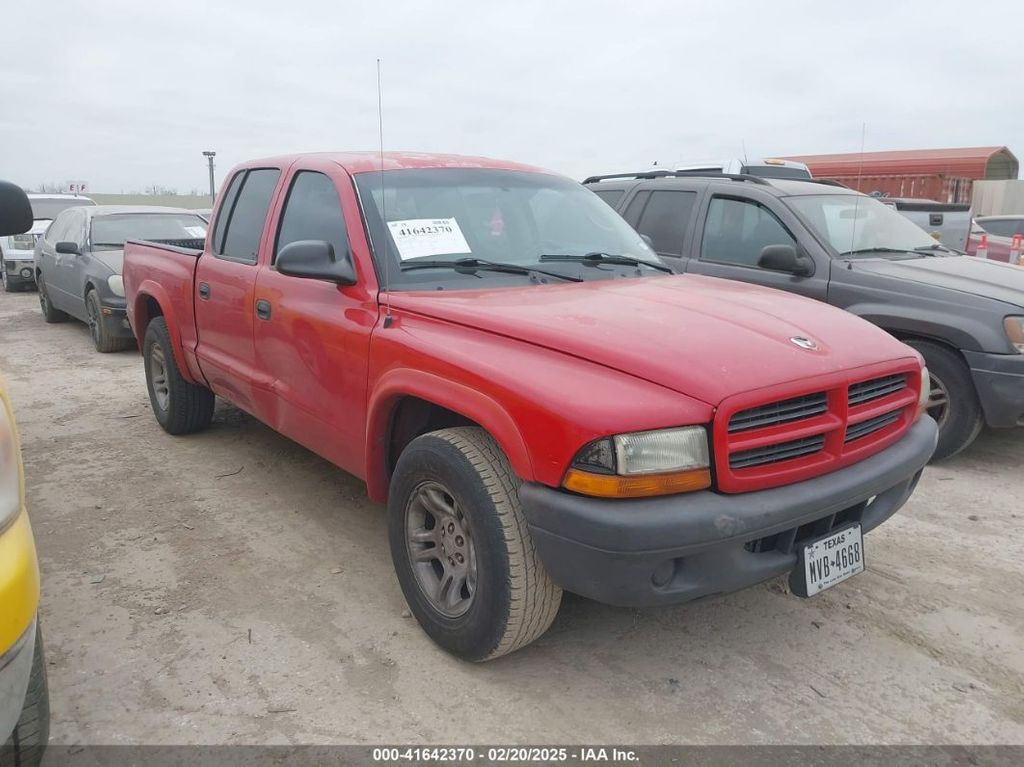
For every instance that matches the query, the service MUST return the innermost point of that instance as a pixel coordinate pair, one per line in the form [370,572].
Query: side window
[736,231]
[224,212]
[55,231]
[312,212]
[636,205]
[666,220]
[249,214]
[610,196]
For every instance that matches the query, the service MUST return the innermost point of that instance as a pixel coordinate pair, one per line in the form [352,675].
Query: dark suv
[822,240]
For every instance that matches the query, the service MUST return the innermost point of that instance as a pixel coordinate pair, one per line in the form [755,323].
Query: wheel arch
[408,403]
[149,303]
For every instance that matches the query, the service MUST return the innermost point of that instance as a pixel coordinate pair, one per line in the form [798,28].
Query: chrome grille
[870,426]
[866,391]
[785,411]
[782,451]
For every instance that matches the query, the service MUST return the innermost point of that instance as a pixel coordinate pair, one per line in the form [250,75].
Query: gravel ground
[231,587]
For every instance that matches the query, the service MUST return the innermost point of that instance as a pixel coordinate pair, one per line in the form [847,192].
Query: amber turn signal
[637,485]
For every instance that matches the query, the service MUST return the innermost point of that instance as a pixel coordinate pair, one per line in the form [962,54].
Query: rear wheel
[50,314]
[28,741]
[953,401]
[180,406]
[102,338]
[461,549]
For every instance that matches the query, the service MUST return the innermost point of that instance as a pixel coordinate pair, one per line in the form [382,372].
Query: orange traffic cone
[1015,247]
[982,251]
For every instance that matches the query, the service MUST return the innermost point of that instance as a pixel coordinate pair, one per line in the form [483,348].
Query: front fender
[459,398]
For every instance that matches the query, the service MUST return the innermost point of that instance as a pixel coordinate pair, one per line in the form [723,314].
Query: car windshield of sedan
[112,231]
[855,224]
[469,228]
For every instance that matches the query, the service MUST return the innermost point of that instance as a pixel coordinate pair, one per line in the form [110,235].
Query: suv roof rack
[648,174]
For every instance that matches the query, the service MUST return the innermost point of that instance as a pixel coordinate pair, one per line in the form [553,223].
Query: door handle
[263,309]
[204,291]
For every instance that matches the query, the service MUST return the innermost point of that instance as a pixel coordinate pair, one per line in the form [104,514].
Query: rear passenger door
[225,282]
[733,231]
[665,216]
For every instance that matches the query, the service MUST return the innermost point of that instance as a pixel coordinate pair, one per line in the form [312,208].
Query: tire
[961,420]
[50,314]
[101,337]
[511,600]
[28,741]
[180,407]
[8,287]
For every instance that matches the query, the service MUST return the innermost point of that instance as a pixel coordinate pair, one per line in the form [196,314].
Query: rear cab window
[243,214]
[666,220]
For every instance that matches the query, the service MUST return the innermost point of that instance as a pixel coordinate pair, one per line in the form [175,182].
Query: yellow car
[24,699]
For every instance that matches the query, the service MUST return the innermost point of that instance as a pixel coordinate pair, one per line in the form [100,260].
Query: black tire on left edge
[180,407]
[27,743]
[513,600]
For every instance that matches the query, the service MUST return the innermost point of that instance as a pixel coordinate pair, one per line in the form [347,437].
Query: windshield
[172,228]
[855,223]
[48,209]
[531,220]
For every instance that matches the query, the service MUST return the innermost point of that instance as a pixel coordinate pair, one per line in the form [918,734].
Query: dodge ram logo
[803,343]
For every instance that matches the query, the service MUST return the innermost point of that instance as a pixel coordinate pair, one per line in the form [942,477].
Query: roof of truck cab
[368,162]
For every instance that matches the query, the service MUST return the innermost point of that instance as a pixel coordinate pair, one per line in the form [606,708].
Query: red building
[946,175]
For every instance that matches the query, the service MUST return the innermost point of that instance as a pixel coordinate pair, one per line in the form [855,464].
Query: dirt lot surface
[232,587]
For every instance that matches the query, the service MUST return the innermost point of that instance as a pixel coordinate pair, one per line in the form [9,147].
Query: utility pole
[209,159]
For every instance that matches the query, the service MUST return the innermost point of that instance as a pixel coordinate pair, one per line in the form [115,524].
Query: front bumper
[999,381]
[674,549]
[15,670]
[20,272]
[115,318]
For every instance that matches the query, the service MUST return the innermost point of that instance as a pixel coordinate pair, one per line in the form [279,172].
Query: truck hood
[703,337]
[964,274]
[112,259]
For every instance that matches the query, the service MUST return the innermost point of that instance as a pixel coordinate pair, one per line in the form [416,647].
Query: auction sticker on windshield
[419,237]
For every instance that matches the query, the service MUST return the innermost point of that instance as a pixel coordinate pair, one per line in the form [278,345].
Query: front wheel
[50,314]
[102,338]
[180,406]
[953,401]
[26,744]
[461,548]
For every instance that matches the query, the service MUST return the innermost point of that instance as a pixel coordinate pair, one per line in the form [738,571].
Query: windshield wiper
[595,258]
[858,251]
[474,264]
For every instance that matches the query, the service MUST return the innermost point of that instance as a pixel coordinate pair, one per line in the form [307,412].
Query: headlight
[926,391]
[116,285]
[643,463]
[1014,327]
[10,472]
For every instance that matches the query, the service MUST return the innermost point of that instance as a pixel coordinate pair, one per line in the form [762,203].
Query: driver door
[735,230]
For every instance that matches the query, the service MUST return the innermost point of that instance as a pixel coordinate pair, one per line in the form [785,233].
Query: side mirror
[648,241]
[15,210]
[786,258]
[316,259]
[69,248]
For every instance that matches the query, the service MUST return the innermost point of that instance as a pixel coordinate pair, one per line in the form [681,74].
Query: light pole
[209,159]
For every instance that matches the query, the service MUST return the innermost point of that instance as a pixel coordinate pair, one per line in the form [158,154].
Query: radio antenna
[856,199]
[383,205]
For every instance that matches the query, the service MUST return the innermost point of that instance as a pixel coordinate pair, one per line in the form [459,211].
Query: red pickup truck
[540,403]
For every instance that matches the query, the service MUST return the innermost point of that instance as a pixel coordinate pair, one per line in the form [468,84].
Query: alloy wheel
[441,551]
[158,376]
[938,400]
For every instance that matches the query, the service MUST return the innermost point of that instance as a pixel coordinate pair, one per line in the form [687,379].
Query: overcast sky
[125,94]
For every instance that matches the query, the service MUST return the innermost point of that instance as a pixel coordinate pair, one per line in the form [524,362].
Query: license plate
[832,559]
